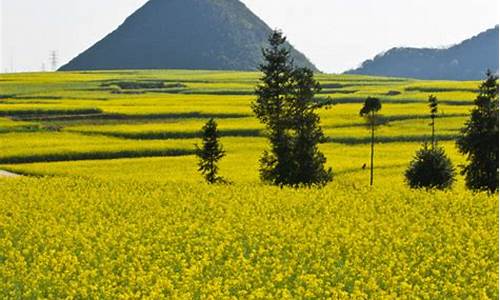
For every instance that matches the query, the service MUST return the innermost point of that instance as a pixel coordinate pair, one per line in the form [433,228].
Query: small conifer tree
[210,153]
[430,168]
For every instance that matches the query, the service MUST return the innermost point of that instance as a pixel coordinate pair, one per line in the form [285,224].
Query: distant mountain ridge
[183,34]
[468,60]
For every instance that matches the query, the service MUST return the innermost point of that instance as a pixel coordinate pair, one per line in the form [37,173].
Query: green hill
[183,34]
[468,60]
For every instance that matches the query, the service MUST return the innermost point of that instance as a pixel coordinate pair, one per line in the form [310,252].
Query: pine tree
[210,153]
[285,104]
[479,139]
[271,109]
[369,112]
[309,161]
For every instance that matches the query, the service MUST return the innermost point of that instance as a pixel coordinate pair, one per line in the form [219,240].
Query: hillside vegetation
[183,34]
[467,60]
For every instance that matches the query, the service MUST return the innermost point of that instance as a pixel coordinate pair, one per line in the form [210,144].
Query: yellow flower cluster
[74,238]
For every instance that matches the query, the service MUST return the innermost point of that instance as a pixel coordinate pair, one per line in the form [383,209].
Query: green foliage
[479,139]
[210,153]
[433,105]
[308,160]
[430,168]
[369,112]
[371,106]
[285,104]
[270,108]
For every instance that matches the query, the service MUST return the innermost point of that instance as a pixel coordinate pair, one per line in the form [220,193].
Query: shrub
[430,168]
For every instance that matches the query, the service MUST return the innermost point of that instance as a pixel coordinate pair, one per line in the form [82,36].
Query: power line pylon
[53,60]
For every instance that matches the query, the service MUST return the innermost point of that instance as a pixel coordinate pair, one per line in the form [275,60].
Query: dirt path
[4,174]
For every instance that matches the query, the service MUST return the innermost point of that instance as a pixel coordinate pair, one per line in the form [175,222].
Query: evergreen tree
[285,104]
[272,110]
[309,161]
[369,112]
[479,139]
[431,168]
[210,153]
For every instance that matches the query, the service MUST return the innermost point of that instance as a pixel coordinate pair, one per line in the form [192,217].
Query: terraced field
[112,206]
[71,117]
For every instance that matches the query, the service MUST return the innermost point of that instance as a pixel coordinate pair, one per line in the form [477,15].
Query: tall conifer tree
[479,139]
[285,104]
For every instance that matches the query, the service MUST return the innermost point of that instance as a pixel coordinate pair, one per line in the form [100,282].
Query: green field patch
[393,93]
[399,128]
[31,113]
[221,92]
[30,128]
[388,119]
[136,85]
[8,125]
[35,97]
[422,119]
[333,91]
[440,89]
[389,139]
[174,115]
[360,100]
[140,86]
[176,135]
[99,116]
[95,155]
[176,129]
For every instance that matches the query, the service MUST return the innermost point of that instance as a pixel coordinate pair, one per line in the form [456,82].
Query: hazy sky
[335,34]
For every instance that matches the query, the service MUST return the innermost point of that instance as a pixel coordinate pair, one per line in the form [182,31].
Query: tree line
[286,106]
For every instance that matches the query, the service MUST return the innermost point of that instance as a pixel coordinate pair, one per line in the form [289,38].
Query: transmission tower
[53,60]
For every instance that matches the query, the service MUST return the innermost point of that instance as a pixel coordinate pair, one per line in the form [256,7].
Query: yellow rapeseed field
[68,238]
[110,204]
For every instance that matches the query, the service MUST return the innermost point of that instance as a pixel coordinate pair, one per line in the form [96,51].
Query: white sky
[335,34]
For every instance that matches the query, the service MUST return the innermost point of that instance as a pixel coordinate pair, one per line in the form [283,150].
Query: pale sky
[336,35]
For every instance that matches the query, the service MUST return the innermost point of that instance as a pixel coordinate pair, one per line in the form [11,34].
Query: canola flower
[80,238]
[144,227]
